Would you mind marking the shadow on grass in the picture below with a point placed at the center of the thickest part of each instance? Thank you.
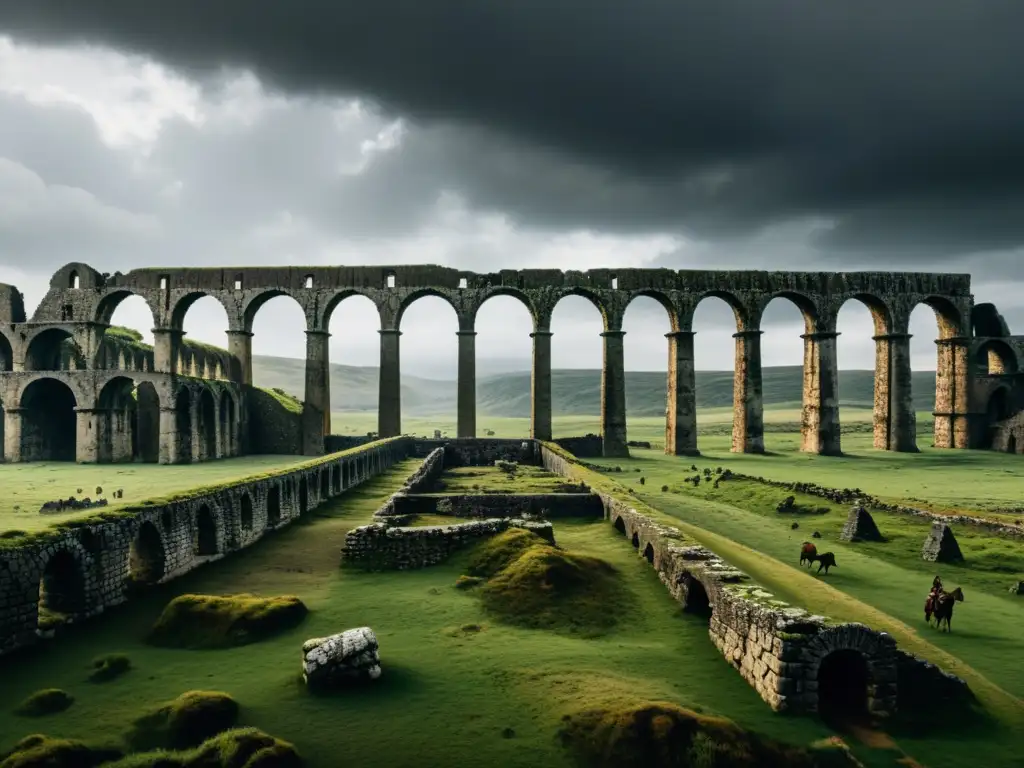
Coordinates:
(396, 680)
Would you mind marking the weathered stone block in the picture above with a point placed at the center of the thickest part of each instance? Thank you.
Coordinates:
(860, 526)
(347, 657)
(941, 545)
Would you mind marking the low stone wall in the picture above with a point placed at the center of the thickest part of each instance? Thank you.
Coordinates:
(923, 686)
(381, 547)
(856, 495)
(90, 565)
(782, 651)
(427, 474)
(585, 447)
(552, 505)
(479, 451)
(336, 443)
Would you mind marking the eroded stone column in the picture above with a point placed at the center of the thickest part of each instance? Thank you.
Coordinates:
(681, 410)
(613, 395)
(467, 384)
(389, 407)
(316, 407)
(895, 423)
(540, 386)
(240, 347)
(952, 411)
(820, 414)
(167, 349)
(169, 440)
(89, 434)
(12, 434)
(747, 395)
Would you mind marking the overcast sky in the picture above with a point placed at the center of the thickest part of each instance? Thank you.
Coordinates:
(567, 134)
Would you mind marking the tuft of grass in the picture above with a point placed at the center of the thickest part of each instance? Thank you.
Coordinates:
(209, 621)
(236, 748)
(502, 550)
(183, 723)
(48, 701)
(468, 582)
(665, 735)
(39, 751)
(108, 667)
(540, 586)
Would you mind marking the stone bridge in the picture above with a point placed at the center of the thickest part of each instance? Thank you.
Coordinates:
(81, 301)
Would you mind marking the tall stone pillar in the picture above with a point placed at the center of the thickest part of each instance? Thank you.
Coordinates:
(316, 407)
(895, 423)
(389, 407)
(467, 384)
(240, 347)
(197, 429)
(613, 395)
(952, 411)
(169, 441)
(12, 434)
(89, 434)
(820, 418)
(681, 410)
(540, 386)
(167, 349)
(747, 395)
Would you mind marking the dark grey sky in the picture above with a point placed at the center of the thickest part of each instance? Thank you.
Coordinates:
(575, 134)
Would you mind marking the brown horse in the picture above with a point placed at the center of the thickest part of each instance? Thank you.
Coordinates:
(807, 553)
(944, 607)
(825, 560)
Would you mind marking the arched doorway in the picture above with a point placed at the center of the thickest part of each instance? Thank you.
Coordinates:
(146, 560)
(207, 431)
(54, 350)
(620, 525)
(49, 423)
(183, 425)
(245, 518)
(147, 423)
(697, 601)
(649, 553)
(117, 421)
(227, 424)
(843, 679)
(206, 532)
(274, 506)
(61, 588)
(1011, 444)
(636, 541)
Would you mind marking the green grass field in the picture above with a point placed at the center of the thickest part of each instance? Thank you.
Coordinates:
(27, 486)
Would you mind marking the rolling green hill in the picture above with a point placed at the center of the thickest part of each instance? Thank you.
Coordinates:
(573, 391)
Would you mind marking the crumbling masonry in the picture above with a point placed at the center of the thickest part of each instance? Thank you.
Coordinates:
(70, 390)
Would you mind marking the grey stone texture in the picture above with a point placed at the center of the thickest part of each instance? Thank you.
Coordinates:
(941, 546)
(341, 659)
(860, 526)
(550, 505)
(81, 301)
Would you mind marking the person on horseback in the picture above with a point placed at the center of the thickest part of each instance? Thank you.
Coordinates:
(932, 601)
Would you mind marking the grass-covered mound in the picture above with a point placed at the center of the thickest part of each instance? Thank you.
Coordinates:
(183, 723)
(48, 701)
(39, 751)
(540, 586)
(663, 735)
(237, 748)
(108, 667)
(209, 621)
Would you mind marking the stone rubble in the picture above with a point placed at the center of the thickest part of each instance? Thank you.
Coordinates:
(347, 657)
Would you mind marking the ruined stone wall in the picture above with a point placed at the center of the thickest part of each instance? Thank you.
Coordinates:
(381, 547)
(95, 565)
(548, 505)
(427, 474)
(478, 451)
(585, 447)
(335, 443)
(1008, 436)
(777, 648)
(273, 428)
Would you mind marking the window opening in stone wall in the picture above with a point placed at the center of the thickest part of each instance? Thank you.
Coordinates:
(463, 282)
(206, 532)
(163, 282)
(389, 281)
(75, 282)
(615, 283)
(67, 313)
(61, 591)
(238, 283)
(309, 281)
(274, 506)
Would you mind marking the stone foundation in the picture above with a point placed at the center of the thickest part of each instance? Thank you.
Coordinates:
(547, 505)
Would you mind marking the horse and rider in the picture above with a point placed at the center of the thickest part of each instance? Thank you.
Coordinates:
(939, 603)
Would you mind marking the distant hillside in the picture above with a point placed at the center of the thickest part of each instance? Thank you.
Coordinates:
(574, 391)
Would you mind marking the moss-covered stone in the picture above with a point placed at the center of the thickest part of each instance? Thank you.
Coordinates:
(105, 668)
(39, 751)
(183, 723)
(210, 621)
(48, 701)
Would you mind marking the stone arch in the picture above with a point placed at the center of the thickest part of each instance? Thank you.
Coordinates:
(108, 303)
(881, 315)
(590, 296)
(649, 553)
(696, 601)
(303, 495)
(995, 357)
(253, 306)
(515, 293)
(6, 354)
(662, 299)
(54, 349)
(999, 407)
(636, 540)
(419, 294)
(116, 421)
(334, 302)
(739, 309)
(844, 680)
(274, 506)
(206, 424)
(205, 542)
(948, 316)
(62, 585)
(147, 423)
(183, 424)
(182, 305)
(325, 483)
(620, 525)
(986, 321)
(245, 514)
(49, 423)
(810, 312)
(878, 674)
(147, 559)
(228, 423)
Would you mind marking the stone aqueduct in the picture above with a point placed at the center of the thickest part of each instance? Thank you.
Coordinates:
(182, 402)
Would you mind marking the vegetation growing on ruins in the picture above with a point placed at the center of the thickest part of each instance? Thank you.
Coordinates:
(185, 722)
(48, 701)
(209, 621)
(40, 750)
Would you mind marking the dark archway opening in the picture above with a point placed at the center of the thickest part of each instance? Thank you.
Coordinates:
(146, 560)
(336, 478)
(183, 425)
(636, 541)
(998, 410)
(49, 426)
(206, 532)
(1011, 444)
(54, 350)
(116, 423)
(274, 506)
(147, 423)
(843, 687)
(649, 554)
(697, 601)
(245, 518)
(620, 525)
(227, 425)
(325, 484)
(61, 589)
(207, 426)
(303, 496)
(6, 354)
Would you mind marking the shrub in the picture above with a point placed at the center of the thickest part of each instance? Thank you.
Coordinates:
(39, 751)
(185, 722)
(48, 701)
(108, 667)
(208, 621)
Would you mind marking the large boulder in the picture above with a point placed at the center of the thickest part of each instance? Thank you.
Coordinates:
(346, 657)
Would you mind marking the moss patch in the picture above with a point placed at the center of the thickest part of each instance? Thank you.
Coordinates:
(663, 735)
(236, 748)
(540, 586)
(48, 701)
(108, 667)
(183, 723)
(209, 621)
(468, 582)
(39, 751)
